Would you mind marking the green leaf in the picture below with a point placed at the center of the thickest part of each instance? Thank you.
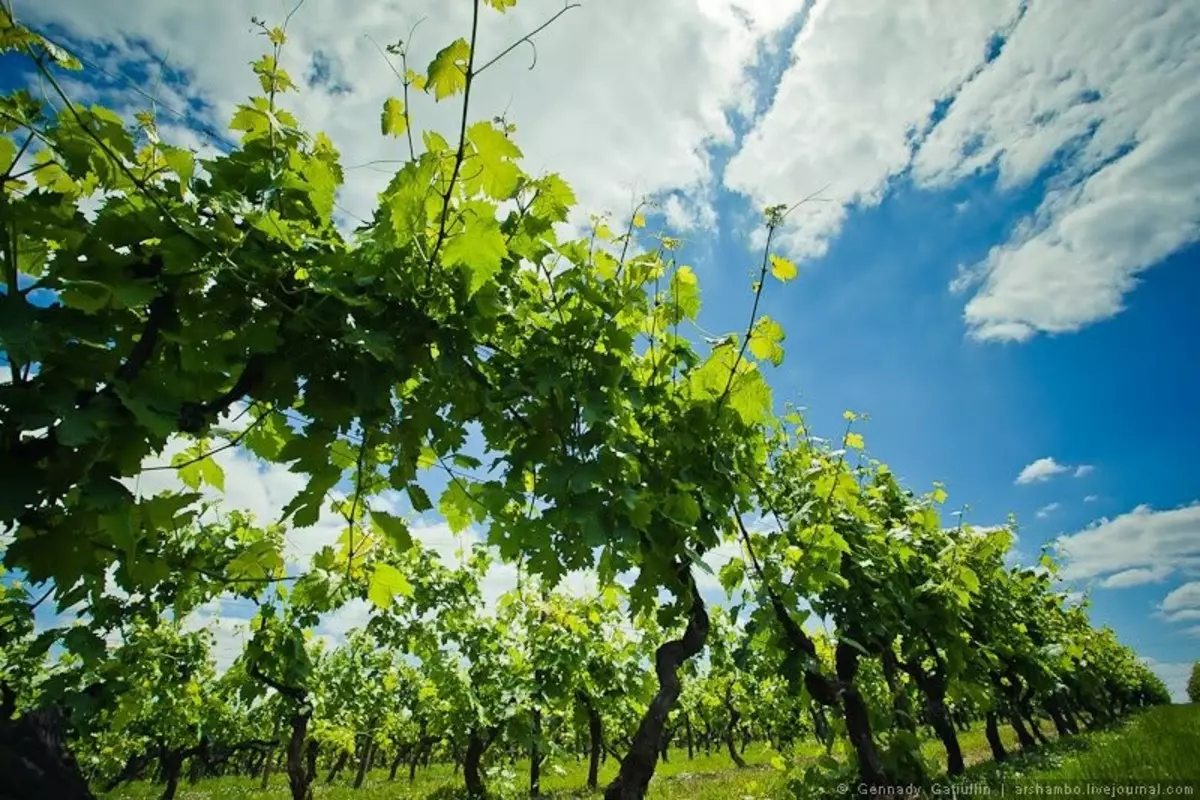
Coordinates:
(685, 292)
(494, 170)
(765, 339)
(456, 506)
(395, 529)
(195, 467)
(386, 582)
(447, 73)
(733, 574)
(8, 152)
(783, 269)
(682, 507)
(84, 643)
(180, 161)
(477, 251)
(86, 296)
(393, 122)
(419, 499)
(554, 199)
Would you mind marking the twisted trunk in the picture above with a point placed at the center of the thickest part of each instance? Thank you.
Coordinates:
(477, 745)
(734, 716)
(301, 765)
(364, 762)
(269, 758)
(595, 737)
(342, 758)
(858, 718)
(992, 731)
(34, 758)
(535, 757)
(637, 768)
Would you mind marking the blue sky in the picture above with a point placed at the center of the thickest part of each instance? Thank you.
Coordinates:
(1001, 269)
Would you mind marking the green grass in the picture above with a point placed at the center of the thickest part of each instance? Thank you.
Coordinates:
(1160, 744)
(706, 777)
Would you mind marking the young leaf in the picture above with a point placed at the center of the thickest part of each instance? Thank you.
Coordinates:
(782, 269)
(393, 122)
(387, 582)
(765, 339)
(448, 70)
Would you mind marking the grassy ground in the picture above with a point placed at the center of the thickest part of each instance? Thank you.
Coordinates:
(1160, 744)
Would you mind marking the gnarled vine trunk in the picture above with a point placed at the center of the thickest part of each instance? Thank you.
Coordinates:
(34, 758)
(992, 731)
(364, 762)
(734, 716)
(535, 756)
(336, 769)
(301, 766)
(269, 757)
(858, 717)
(172, 766)
(946, 732)
(477, 745)
(595, 736)
(637, 768)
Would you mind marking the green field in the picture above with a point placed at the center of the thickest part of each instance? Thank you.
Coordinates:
(1161, 744)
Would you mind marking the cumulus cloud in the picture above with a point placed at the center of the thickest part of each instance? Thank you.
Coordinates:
(250, 485)
(1084, 470)
(1115, 95)
(1091, 498)
(1041, 470)
(616, 117)
(864, 79)
(1136, 577)
(1108, 104)
(1161, 542)
(1185, 597)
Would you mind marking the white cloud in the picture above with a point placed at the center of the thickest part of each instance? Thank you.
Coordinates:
(864, 78)
(1114, 93)
(1182, 597)
(1041, 470)
(616, 116)
(1183, 615)
(250, 485)
(1083, 470)
(1111, 100)
(1162, 541)
(1174, 674)
(1091, 498)
(1048, 509)
(1136, 577)
(230, 631)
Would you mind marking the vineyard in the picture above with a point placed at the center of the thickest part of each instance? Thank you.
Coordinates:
(155, 301)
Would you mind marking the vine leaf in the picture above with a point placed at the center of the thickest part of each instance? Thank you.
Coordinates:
(393, 122)
(765, 339)
(783, 269)
(395, 530)
(386, 582)
(447, 73)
